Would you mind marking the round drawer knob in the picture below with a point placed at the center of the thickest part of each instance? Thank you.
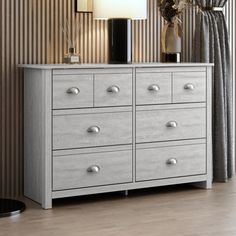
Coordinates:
(93, 130)
(172, 161)
(189, 87)
(172, 124)
(154, 88)
(113, 89)
(93, 169)
(73, 91)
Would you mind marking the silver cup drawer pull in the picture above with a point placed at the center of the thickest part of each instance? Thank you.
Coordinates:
(189, 87)
(73, 91)
(172, 124)
(113, 89)
(172, 161)
(93, 130)
(154, 88)
(93, 169)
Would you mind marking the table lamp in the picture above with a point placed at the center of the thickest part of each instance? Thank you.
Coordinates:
(119, 14)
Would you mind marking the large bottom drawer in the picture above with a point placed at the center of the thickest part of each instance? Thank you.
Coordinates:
(93, 169)
(170, 162)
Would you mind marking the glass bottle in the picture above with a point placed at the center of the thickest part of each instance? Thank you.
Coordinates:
(72, 57)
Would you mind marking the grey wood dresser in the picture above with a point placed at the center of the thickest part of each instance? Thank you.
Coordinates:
(101, 128)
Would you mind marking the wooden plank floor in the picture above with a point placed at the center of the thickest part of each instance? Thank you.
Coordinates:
(177, 211)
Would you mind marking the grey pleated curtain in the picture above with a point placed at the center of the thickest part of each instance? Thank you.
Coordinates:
(212, 45)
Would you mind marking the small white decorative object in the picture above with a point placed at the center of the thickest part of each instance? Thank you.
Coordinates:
(72, 57)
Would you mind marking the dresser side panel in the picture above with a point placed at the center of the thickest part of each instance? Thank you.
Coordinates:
(37, 136)
(209, 128)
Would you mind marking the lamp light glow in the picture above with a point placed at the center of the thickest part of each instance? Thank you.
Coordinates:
(120, 9)
(119, 14)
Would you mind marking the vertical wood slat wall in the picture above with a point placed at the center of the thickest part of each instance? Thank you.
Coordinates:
(30, 32)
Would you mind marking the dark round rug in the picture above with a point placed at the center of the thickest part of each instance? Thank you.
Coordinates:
(10, 207)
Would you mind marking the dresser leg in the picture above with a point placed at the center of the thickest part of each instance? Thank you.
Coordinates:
(126, 193)
(47, 204)
(205, 185)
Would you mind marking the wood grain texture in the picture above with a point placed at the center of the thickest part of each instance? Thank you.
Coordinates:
(62, 99)
(70, 172)
(37, 136)
(71, 131)
(174, 68)
(178, 211)
(151, 125)
(112, 126)
(182, 94)
(209, 129)
(30, 33)
(130, 186)
(89, 68)
(144, 93)
(153, 164)
(80, 69)
(122, 97)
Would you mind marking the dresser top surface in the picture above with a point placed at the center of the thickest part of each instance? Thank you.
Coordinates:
(103, 66)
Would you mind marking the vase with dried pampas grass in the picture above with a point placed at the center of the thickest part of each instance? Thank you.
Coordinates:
(172, 33)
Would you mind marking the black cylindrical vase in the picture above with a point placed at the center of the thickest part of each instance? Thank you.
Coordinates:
(171, 57)
(119, 41)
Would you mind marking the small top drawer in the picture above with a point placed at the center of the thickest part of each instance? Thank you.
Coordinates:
(113, 90)
(189, 87)
(72, 91)
(153, 88)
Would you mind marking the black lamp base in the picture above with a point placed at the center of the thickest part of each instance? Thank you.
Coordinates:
(10, 207)
(171, 57)
(119, 41)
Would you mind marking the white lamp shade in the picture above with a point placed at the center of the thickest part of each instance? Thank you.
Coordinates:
(124, 9)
